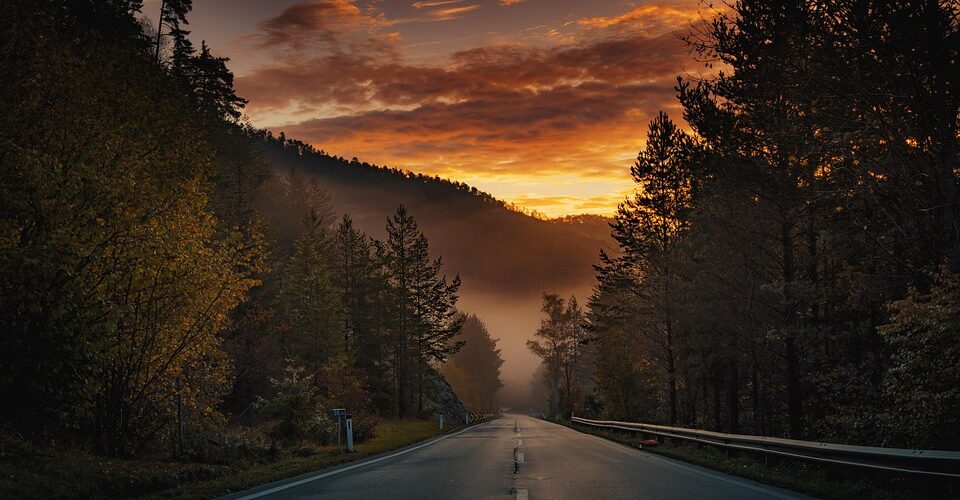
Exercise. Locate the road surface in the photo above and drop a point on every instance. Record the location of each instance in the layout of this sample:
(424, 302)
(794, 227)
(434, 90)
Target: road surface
(555, 463)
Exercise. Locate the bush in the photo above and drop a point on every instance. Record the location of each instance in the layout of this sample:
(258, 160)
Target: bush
(295, 409)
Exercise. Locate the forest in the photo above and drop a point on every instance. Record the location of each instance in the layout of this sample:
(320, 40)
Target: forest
(179, 286)
(788, 264)
(168, 292)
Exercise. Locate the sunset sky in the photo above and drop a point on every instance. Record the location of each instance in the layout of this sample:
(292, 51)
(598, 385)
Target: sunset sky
(543, 103)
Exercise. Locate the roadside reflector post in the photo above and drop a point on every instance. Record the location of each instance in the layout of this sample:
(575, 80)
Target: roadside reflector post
(349, 433)
(466, 418)
(441, 421)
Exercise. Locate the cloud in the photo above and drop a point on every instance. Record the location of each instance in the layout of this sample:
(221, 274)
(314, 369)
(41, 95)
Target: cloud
(324, 20)
(503, 117)
(437, 3)
(511, 2)
(646, 17)
(452, 12)
(484, 73)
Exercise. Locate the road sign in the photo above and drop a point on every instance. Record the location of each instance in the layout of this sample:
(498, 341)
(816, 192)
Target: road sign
(338, 413)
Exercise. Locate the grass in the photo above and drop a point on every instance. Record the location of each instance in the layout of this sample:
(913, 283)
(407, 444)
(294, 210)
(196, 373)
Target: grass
(28, 472)
(820, 480)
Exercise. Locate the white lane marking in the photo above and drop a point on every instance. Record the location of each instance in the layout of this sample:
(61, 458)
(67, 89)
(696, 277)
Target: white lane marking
(522, 495)
(769, 490)
(519, 458)
(306, 480)
(519, 443)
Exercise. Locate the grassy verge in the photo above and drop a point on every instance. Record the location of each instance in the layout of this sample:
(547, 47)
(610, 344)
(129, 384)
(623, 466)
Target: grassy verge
(820, 480)
(34, 473)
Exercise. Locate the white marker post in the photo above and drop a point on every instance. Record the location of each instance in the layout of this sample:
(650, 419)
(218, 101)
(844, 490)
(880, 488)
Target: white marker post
(441, 421)
(349, 434)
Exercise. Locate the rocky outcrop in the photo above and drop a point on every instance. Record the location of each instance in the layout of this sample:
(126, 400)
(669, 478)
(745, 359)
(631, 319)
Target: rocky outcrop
(439, 398)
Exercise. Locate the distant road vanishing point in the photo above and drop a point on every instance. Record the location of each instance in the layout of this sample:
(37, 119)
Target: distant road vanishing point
(517, 457)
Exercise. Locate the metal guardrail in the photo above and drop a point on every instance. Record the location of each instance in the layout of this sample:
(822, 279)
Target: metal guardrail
(926, 462)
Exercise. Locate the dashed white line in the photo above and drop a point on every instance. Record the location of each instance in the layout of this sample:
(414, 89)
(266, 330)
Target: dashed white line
(522, 495)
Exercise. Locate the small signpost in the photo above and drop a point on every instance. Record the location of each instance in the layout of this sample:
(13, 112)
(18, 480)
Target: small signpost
(441, 421)
(339, 414)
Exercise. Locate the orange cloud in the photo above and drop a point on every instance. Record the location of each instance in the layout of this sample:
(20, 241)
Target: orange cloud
(437, 3)
(550, 128)
(452, 12)
(646, 17)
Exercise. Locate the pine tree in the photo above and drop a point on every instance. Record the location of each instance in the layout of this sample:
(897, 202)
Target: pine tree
(423, 303)
(173, 13)
(648, 228)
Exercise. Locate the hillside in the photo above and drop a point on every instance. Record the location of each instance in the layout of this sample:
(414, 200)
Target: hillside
(506, 258)
(494, 248)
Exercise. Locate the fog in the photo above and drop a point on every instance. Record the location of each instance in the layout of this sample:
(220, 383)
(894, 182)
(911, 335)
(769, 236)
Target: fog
(506, 259)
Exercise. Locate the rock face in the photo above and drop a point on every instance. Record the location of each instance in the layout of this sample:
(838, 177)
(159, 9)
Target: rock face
(439, 398)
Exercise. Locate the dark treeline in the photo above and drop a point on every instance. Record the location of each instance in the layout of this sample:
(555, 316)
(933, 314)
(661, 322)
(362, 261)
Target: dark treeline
(504, 252)
(790, 267)
(564, 379)
(474, 371)
(439, 188)
(160, 282)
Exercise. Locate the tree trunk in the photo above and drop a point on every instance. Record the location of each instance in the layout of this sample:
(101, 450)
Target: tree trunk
(733, 399)
(755, 394)
(163, 5)
(794, 397)
(717, 388)
(672, 374)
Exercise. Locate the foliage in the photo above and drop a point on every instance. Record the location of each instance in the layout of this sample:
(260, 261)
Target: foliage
(474, 371)
(296, 410)
(922, 386)
(117, 276)
(760, 253)
(559, 342)
(423, 316)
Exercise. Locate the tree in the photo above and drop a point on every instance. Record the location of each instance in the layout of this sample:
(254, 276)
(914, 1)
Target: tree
(922, 386)
(173, 13)
(648, 228)
(423, 304)
(474, 371)
(296, 408)
(559, 343)
(118, 278)
(309, 297)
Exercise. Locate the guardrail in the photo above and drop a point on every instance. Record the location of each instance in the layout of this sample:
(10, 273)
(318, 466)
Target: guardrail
(926, 462)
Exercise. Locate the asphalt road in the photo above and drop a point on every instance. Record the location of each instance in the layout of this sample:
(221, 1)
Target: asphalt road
(556, 463)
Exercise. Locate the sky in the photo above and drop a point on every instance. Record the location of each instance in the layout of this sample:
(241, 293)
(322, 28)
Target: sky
(542, 103)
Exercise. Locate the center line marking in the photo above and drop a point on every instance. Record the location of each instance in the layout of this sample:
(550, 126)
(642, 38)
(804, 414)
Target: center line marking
(519, 458)
(522, 495)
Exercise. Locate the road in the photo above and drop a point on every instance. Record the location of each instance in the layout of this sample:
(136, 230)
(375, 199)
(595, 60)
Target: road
(557, 463)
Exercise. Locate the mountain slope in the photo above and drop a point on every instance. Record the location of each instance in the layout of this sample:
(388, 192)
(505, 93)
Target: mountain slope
(507, 259)
(494, 248)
